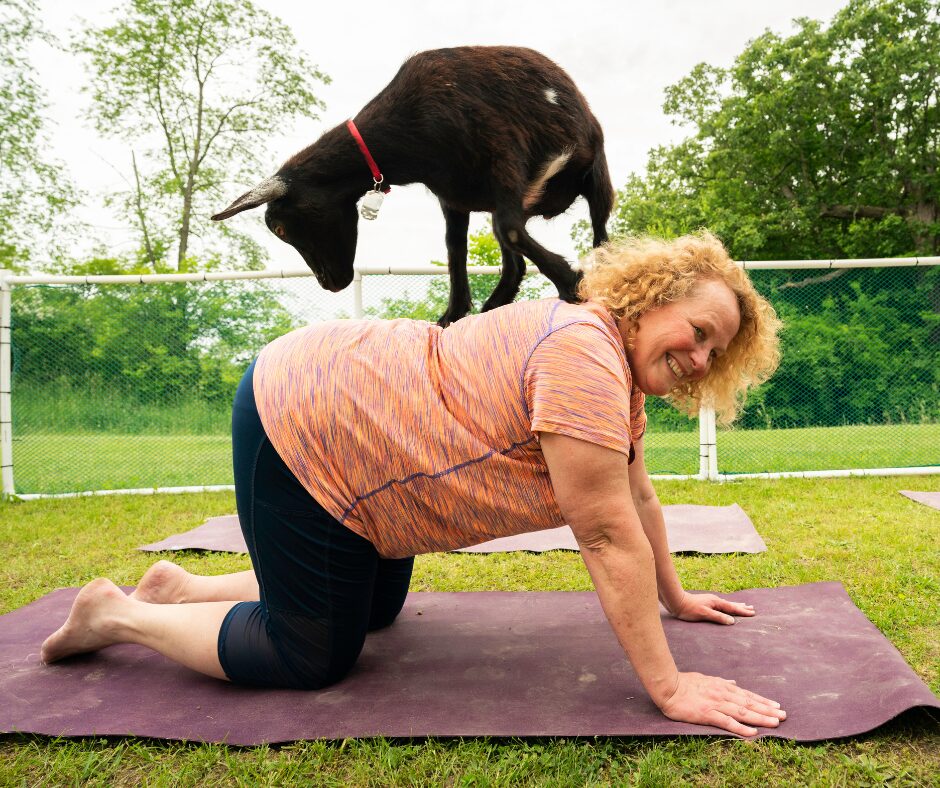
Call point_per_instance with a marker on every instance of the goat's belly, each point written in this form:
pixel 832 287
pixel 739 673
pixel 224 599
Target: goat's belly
pixel 467 203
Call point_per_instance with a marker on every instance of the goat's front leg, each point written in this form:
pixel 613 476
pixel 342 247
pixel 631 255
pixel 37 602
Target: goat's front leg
pixel 459 304
pixel 509 228
pixel 509 280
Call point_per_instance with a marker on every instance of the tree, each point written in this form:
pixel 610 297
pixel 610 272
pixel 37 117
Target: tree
pixel 36 195
pixel 198 86
pixel 821 144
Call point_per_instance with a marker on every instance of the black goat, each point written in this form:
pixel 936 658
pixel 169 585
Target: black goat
pixel 498 129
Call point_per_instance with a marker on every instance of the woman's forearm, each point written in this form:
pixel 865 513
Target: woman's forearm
pixel 624 577
pixel 668 585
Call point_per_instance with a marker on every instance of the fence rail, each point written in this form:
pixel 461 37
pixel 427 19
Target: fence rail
pixel 709 438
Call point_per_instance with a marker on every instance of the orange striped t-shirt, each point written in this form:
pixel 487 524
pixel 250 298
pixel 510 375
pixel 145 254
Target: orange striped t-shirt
pixel 422 439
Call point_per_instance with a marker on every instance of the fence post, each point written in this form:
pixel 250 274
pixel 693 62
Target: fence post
pixel 712 445
pixel 703 452
pixel 6 379
pixel 708 444
pixel 358 311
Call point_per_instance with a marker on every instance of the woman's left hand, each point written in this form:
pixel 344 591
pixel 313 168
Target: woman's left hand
pixel 709 607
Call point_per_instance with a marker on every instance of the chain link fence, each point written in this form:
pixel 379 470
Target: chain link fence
pixel 120 386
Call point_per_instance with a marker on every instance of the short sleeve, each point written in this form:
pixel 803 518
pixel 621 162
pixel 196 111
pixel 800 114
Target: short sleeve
pixel 577 383
pixel 637 414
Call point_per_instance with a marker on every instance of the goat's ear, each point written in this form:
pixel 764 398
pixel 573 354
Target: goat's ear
pixel 267 190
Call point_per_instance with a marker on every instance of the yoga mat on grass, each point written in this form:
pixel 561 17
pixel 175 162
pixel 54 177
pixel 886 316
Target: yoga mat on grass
pixel 475 664
pixel 690 528
pixel 222 534
pixel 931 499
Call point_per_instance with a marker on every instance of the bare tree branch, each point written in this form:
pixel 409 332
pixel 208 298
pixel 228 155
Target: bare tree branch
pixel 835 273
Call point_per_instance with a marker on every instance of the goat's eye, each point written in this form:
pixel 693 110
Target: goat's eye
pixel 279 230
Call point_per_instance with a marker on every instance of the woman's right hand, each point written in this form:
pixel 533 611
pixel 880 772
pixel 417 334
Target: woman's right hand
pixel 709 700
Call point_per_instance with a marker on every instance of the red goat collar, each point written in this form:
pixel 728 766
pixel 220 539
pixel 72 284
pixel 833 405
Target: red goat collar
pixel 376 174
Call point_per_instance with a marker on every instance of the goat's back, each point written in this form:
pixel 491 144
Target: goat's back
pixel 500 110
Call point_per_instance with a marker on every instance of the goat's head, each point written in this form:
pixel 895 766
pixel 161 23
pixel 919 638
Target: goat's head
pixel 317 222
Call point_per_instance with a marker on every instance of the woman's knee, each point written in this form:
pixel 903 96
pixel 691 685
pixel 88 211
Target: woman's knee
pixel 391 588
pixel 285 650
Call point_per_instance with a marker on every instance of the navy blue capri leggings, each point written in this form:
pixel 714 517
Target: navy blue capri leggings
pixel 322 585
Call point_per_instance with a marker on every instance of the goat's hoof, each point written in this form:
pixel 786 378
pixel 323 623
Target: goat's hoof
pixel 451 316
pixel 491 304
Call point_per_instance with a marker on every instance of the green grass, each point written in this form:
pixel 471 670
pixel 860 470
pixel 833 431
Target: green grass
pixel 72 463
pixel 69 462
pixel 90 409
pixel 883 547
pixel 827 448
pixel 810 449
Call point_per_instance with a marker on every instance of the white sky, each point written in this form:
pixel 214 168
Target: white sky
pixel 621 54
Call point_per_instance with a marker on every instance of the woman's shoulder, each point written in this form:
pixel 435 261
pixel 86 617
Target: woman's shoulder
pixel 590 312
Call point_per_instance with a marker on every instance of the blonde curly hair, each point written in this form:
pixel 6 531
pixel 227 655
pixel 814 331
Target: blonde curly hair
pixel 634 275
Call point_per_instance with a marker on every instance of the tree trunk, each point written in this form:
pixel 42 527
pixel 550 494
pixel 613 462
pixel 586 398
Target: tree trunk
pixel 142 217
pixel 184 223
pixel 191 172
pixel 925 214
pixel 855 212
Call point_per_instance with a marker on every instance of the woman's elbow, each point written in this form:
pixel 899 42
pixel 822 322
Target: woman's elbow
pixel 604 541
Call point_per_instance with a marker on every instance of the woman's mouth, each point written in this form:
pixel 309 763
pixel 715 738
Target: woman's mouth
pixel 674 366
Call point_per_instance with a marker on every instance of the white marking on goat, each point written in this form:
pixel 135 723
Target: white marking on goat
pixel 551 95
pixel 551 168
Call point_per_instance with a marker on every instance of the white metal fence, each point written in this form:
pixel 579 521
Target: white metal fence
pixel 44 435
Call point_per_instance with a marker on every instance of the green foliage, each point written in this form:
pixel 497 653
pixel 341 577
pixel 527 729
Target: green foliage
pixel 212 80
pixel 824 143
pixel 142 344
pixel 860 350
pixel 821 144
pixel 36 194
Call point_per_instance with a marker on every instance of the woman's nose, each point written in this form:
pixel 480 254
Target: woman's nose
pixel 699 358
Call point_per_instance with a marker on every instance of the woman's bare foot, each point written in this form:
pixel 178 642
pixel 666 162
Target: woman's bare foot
pixel 91 623
pixel 163 584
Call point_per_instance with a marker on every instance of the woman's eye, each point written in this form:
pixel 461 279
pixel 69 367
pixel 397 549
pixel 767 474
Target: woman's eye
pixel 699 334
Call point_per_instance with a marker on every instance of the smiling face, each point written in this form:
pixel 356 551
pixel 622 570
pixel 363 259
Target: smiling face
pixel 677 342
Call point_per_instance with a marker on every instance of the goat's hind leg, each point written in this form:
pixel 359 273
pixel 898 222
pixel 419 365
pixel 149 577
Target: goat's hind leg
pixel 510 279
pixel 510 231
pixel 459 303
pixel 599 193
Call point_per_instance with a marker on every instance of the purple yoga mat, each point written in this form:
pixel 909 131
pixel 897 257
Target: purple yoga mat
pixel 472 664
pixel 222 534
pixel 702 529
pixel 931 499
pixel 690 529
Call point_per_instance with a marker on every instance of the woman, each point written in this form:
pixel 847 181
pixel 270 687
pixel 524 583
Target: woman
pixel 359 444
